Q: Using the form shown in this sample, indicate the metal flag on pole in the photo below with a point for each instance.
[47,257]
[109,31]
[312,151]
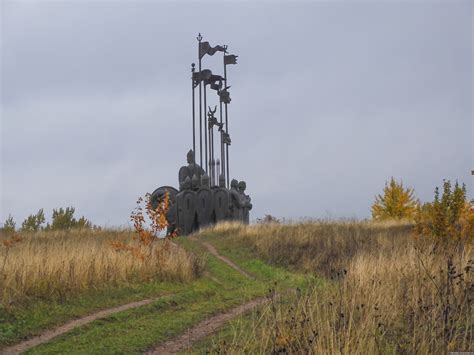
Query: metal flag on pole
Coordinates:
[206,48]
[230,59]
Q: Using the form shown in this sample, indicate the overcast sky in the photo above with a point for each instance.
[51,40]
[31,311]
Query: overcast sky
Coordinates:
[329,100]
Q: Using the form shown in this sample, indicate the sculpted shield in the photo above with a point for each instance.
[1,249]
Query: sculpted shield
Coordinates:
[204,206]
[186,211]
[158,196]
[221,204]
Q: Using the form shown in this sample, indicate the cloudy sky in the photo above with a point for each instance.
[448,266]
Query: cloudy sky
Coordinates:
[329,100]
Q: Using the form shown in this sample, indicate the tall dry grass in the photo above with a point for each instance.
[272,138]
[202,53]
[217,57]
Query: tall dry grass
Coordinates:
[54,265]
[393,293]
[323,247]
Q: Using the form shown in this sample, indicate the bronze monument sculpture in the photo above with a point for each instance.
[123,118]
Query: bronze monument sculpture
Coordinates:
[205,195]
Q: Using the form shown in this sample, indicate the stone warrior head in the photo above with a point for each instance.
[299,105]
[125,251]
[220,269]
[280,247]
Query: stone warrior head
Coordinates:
[242,186]
[190,157]
[234,184]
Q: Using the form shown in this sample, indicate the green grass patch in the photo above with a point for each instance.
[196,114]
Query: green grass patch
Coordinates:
[139,329]
[183,305]
[33,318]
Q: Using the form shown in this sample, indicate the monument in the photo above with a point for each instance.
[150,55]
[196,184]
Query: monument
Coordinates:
[205,195]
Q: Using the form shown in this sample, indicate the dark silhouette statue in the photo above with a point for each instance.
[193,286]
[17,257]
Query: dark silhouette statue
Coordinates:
[191,170]
[205,195]
[246,200]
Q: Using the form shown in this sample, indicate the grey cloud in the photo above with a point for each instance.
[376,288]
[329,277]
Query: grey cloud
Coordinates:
[329,101]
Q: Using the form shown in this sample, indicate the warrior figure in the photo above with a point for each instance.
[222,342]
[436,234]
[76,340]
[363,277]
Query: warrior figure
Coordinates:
[237,203]
[246,199]
[190,170]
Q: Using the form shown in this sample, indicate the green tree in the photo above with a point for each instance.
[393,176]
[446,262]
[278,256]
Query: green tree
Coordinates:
[396,202]
[63,219]
[9,225]
[33,222]
[83,223]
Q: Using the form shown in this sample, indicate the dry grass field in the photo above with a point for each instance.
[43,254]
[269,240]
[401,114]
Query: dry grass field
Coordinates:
[56,264]
[376,287]
[389,291]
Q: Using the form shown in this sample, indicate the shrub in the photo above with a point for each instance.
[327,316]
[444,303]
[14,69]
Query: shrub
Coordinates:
[268,219]
[8,226]
[84,223]
[397,202]
[144,235]
[33,222]
[448,217]
[63,219]
[467,220]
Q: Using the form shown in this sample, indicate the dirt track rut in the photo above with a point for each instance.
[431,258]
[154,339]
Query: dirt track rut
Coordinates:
[182,342]
[210,325]
[204,329]
[50,334]
[229,262]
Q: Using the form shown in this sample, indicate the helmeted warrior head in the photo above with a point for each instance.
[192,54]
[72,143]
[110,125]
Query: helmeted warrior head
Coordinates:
[242,186]
[234,184]
[190,157]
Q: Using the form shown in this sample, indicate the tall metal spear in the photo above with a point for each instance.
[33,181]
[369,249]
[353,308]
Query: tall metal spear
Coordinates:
[199,38]
[228,59]
[194,118]
[211,150]
[205,128]
[222,143]
[226,127]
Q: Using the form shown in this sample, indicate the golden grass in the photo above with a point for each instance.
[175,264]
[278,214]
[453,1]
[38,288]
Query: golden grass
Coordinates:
[323,247]
[390,291]
[57,264]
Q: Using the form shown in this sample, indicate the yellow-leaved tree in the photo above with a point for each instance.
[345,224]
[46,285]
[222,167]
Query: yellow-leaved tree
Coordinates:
[396,202]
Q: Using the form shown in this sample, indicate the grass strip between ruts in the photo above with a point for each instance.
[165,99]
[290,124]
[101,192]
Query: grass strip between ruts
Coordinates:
[139,329]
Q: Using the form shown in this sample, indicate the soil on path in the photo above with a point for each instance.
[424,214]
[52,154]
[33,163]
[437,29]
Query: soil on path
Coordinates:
[50,334]
[204,329]
[210,325]
[214,252]
[183,342]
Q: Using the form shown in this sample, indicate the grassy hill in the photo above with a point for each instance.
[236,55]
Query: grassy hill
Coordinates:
[332,287]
